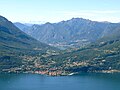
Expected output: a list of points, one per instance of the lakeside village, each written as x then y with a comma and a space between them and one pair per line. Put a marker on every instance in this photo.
32, 65
51, 71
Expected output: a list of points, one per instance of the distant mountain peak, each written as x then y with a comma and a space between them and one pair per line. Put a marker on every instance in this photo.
80, 19
48, 23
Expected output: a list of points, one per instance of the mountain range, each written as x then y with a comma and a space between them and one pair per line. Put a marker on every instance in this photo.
21, 52
76, 32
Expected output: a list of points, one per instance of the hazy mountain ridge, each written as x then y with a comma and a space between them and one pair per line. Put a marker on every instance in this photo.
75, 31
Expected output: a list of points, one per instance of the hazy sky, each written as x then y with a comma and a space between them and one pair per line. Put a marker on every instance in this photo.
58, 10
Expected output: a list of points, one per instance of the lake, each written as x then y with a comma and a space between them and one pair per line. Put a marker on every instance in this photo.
83, 81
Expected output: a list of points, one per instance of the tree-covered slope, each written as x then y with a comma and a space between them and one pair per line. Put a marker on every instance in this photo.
15, 44
100, 56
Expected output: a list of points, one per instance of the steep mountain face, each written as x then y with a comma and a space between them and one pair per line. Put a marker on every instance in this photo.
21, 26
74, 32
112, 32
15, 44
24, 27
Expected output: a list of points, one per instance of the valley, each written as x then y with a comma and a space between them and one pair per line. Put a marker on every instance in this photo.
87, 46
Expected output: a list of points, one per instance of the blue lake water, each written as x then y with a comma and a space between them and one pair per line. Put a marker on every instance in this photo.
83, 81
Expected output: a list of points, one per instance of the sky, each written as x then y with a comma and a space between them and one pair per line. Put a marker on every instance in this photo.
59, 10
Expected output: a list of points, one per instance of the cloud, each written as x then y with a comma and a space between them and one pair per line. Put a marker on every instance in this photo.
57, 16
96, 15
88, 12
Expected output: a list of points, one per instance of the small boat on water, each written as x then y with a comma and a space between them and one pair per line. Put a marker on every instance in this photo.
71, 74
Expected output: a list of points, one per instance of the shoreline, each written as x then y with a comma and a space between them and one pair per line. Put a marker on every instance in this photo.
63, 73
